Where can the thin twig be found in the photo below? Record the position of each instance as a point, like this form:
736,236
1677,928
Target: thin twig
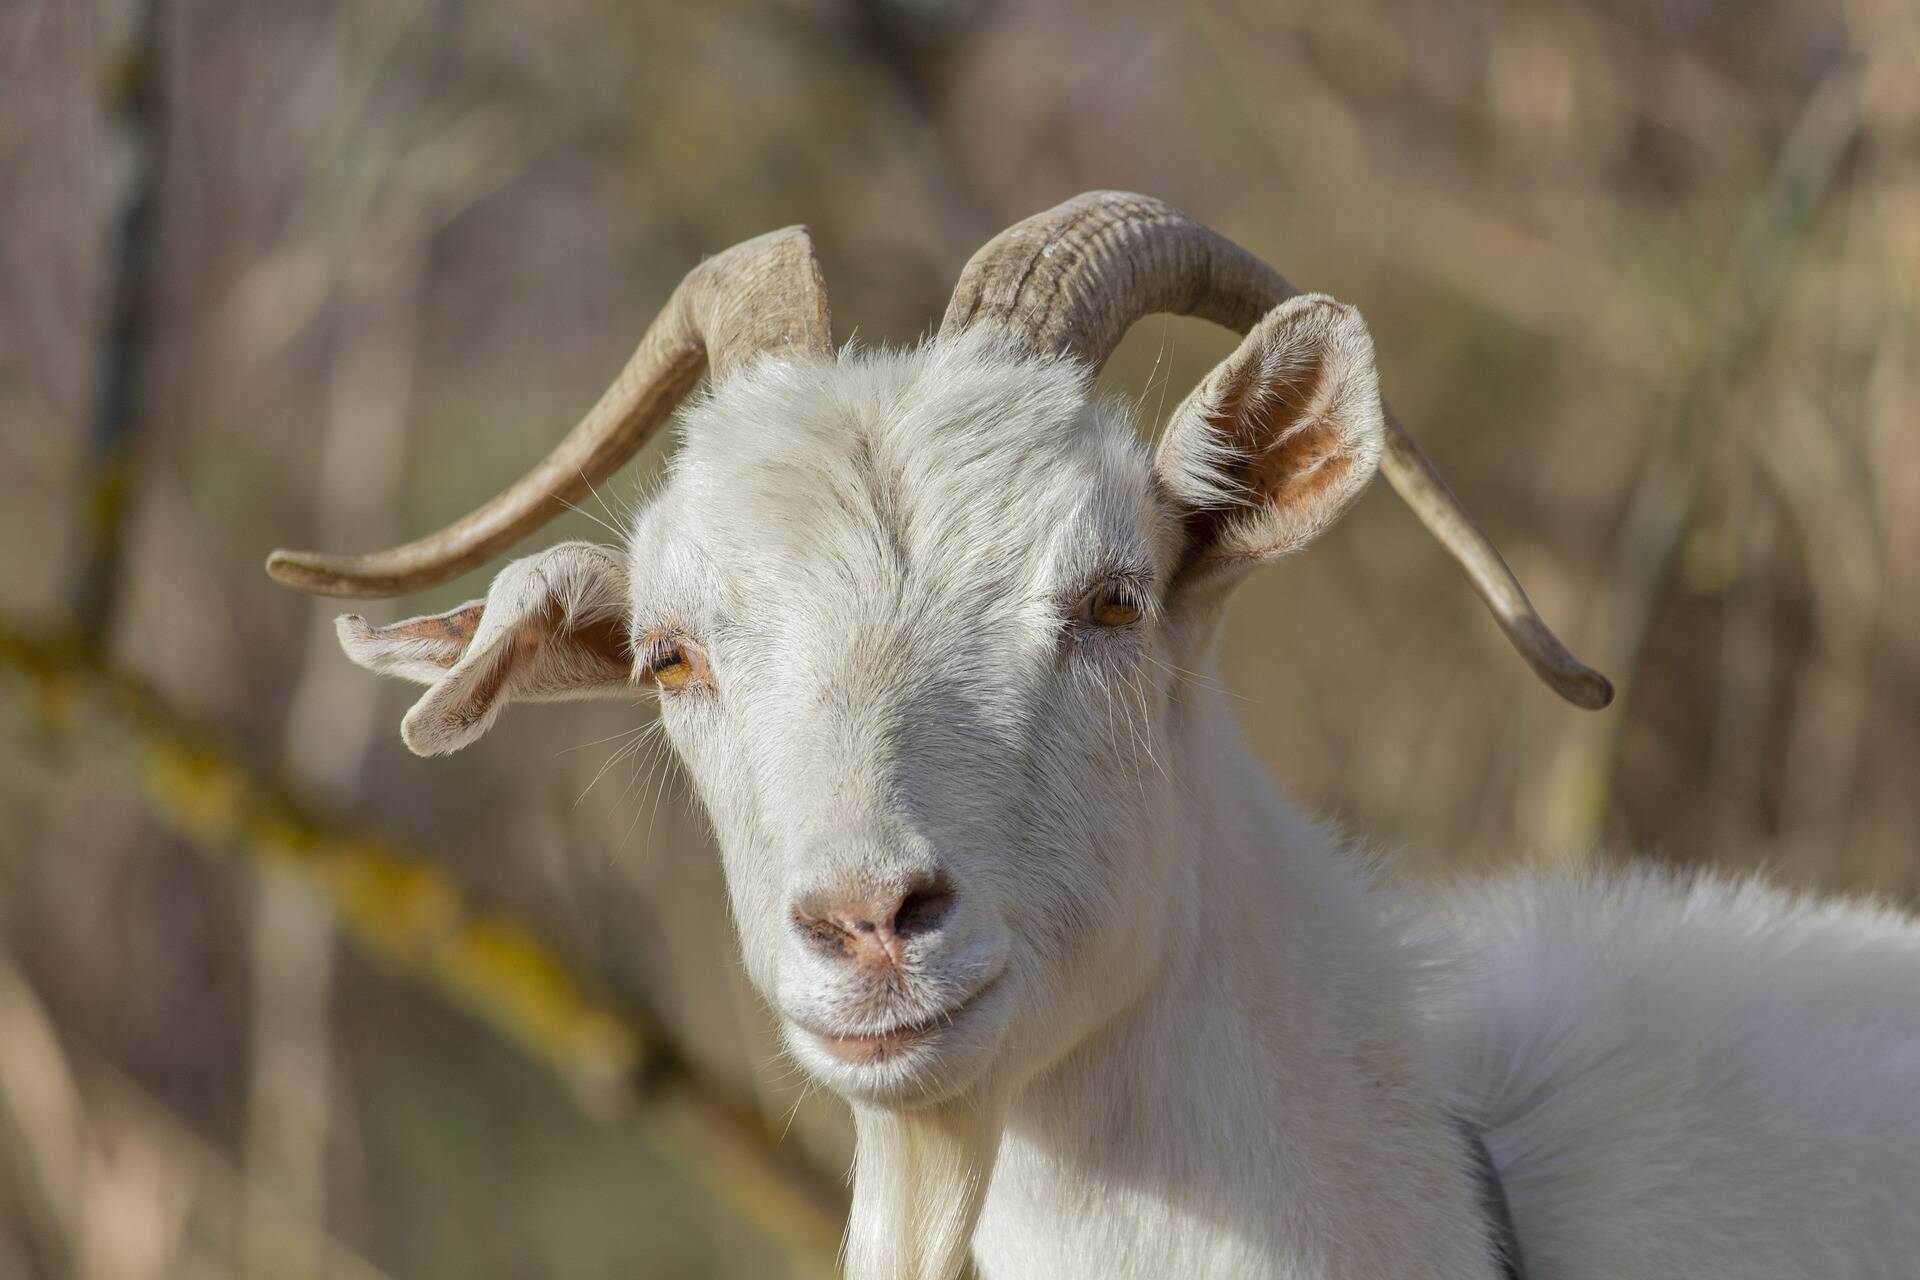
120,407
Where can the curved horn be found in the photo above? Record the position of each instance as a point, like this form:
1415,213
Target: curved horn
765,294
1074,279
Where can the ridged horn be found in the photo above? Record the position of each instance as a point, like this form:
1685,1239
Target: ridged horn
764,295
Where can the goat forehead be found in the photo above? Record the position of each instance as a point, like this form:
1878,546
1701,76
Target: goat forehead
949,474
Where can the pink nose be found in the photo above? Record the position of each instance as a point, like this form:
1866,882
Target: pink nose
871,925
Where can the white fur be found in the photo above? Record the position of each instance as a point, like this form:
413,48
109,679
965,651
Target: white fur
1702,1077
1201,1040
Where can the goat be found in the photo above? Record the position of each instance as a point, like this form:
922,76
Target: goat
1102,1001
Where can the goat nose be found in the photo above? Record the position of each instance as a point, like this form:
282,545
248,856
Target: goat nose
872,924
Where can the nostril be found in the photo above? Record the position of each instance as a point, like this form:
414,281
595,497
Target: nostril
863,922
924,908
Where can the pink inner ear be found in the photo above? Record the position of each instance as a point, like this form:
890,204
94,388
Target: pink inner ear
1293,446
1288,450
442,638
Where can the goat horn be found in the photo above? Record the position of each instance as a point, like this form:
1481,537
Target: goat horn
763,295
1074,279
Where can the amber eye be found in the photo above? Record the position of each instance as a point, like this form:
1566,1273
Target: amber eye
674,665
1114,605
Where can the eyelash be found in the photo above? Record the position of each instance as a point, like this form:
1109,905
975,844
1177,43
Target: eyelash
674,664
1114,604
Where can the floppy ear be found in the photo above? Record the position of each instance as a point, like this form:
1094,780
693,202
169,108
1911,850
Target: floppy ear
553,626
1277,440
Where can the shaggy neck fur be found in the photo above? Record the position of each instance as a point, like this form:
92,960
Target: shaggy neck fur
1232,1119
920,1179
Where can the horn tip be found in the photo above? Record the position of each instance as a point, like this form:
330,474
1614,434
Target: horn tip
1585,688
309,572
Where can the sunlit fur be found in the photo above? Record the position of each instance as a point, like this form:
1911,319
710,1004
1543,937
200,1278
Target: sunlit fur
1691,1078
1203,1041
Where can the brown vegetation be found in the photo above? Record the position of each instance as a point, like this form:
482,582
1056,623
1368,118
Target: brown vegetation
1642,278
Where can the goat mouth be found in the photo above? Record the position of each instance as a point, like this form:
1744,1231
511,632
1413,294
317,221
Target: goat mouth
881,1046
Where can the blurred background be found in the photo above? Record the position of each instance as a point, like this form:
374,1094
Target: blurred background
279,1000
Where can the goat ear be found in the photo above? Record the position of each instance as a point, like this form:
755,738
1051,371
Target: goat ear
1274,444
553,626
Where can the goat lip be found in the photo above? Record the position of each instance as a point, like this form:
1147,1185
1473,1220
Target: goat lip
869,1048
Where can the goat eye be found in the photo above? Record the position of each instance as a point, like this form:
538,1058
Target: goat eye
1114,605
676,666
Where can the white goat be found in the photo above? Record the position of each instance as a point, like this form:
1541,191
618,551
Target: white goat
1103,1002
